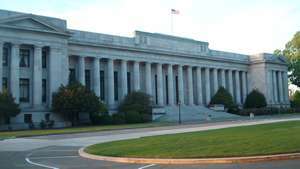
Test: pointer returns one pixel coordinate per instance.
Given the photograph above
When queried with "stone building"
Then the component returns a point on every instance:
(39, 53)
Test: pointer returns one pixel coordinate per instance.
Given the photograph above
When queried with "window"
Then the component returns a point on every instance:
(44, 90)
(72, 75)
(128, 82)
(24, 90)
(5, 56)
(176, 87)
(27, 118)
(44, 58)
(156, 97)
(116, 85)
(4, 83)
(24, 57)
(88, 79)
(102, 85)
(167, 90)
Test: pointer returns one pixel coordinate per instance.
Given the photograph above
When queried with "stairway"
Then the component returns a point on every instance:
(193, 113)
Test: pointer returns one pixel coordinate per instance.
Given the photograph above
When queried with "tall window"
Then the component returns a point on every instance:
(116, 85)
(44, 91)
(24, 57)
(88, 79)
(102, 85)
(44, 58)
(4, 83)
(167, 90)
(5, 56)
(156, 97)
(128, 82)
(24, 90)
(176, 87)
(72, 75)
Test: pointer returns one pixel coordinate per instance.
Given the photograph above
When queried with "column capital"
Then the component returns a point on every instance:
(38, 45)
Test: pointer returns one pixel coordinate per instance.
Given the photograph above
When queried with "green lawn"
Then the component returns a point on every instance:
(27, 133)
(262, 139)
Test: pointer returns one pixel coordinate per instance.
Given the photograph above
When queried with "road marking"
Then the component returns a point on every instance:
(54, 157)
(147, 166)
(41, 165)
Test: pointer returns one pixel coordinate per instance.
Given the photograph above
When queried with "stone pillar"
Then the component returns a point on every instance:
(170, 85)
(207, 85)
(215, 76)
(280, 86)
(148, 78)
(230, 83)
(136, 76)
(37, 76)
(160, 99)
(275, 88)
(285, 87)
(15, 72)
(190, 85)
(223, 78)
(180, 85)
(124, 79)
(96, 76)
(244, 87)
(237, 88)
(111, 85)
(199, 86)
(81, 70)
(1, 64)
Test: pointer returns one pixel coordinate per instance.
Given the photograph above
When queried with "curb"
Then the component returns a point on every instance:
(226, 160)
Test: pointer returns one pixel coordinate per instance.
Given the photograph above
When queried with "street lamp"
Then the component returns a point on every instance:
(179, 113)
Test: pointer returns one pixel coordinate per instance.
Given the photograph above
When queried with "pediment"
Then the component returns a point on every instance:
(32, 23)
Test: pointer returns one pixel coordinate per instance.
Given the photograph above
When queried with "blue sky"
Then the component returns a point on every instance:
(244, 26)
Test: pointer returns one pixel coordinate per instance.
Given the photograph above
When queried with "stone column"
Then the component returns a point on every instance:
(160, 99)
(170, 85)
(148, 78)
(244, 87)
(237, 87)
(190, 85)
(275, 88)
(15, 72)
(124, 79)
(81, 70)
(207, 85)
(96, 76)
(136, 76)
(110, 81)
(180, 85)
(199, 86)
(230, 83)
(215, 76)
(223, 78)
(285, 87)
(1, 64)
(280, 86)
(37, 76)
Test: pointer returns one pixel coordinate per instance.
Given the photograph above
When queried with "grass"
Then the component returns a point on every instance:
(39, 132)
(262, 139)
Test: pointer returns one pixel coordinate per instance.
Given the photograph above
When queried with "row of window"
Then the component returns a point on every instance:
(24, 57)
(25, 89)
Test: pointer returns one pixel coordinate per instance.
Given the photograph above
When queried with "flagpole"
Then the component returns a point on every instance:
(172, 31)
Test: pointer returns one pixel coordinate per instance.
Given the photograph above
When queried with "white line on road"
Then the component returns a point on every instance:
(41, 165)
(147, 166)
(54, 157)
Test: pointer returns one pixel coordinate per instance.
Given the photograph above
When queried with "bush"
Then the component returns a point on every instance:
(8, 107)
(224, 97)
(255, 99)
(73, 99)
(268, 111)
(295, 102)
(118, 118)
(136, 107)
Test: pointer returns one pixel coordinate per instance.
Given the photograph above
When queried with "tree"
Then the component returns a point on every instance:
(295, 101)
(222, 97)
(73, 99)
(255, 99)
(136, 107)
(8, 107)
(292, 53)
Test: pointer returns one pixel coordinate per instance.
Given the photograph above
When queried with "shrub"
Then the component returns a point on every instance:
(136, 104)
(224, 97)
(118, 118)
(268, 111)
(8, 107)
(73, 99)
(295, 102)
(255, 99)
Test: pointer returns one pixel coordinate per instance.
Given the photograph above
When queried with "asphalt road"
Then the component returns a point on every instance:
(61, 151)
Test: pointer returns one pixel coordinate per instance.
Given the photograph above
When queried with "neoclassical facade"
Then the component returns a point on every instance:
(38, 54)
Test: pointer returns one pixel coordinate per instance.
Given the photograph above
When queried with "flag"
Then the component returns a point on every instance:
(174, 11)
